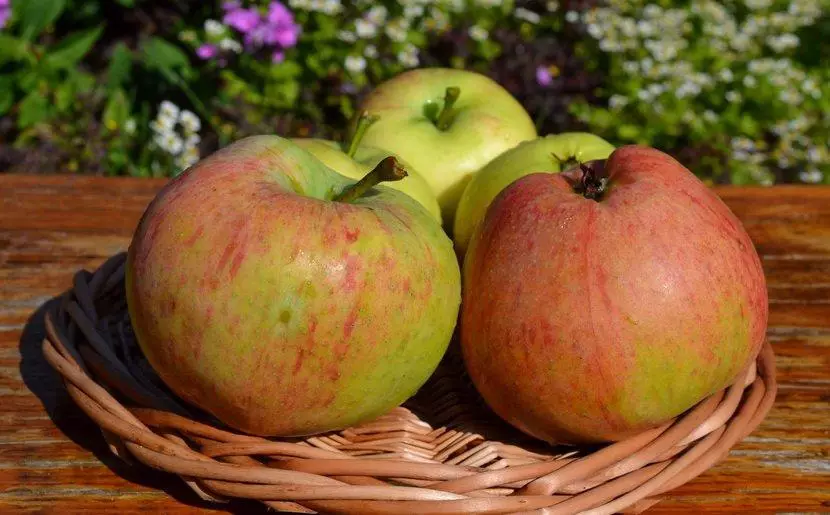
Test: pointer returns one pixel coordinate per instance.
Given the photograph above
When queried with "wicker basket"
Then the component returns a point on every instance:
(442, 452)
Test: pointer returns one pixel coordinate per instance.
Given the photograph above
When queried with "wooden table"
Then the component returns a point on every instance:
(52, 458)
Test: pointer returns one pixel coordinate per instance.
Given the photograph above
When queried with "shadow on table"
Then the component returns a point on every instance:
(45, 383)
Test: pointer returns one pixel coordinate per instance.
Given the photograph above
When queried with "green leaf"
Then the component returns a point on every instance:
(117, 110)
(35, 15)
(33, 109)
(72, 49)
(285, 70)
(120, 66)
(6, 93)
(158, 53)
(127, 3)
(64, 95)
(12, 49)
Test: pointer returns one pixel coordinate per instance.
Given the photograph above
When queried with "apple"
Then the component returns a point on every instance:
(546, 154)
(357, 161)
(446, 123)
(608, 299)
(286, 299)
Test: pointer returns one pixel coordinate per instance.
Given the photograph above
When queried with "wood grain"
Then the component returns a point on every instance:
(53, 460)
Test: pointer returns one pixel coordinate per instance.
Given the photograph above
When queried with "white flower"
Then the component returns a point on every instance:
(190, 122)
(652, 11)
(409, 56)
(527, 15)
(365, 28)
(811, 176)
(790, 96)
(370, 51)
(552, 6)
(214, 28)
(617, 101)
(437, 20)
(478, 33)
(645, 28)
(230, 45)
(396, 31)
(595, 31)
(750, 81)
(170, 142)
(331, 7)
(757, 5)
(168, 114)
(299, 4)
(726, 75)
(377, 14)
(188, 158)
(355, 63)
(782, 42)
(687, 89)
(741, 42)
(630, 67)
(348, 37)
(192, 141)
(733, 96)
(129, 126)
(488, 3)
(710, 115)
(413, 11)
(814, 155)
(571, 16)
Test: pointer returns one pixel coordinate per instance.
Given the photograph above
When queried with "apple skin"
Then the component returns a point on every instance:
(487, 121)
(278, 311)
(588, 321)
(526, 158)
(364, 160)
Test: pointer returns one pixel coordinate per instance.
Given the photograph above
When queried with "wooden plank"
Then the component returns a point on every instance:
(53, 460)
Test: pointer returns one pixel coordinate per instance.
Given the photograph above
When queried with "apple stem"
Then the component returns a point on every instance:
(363, 123)
(594, 180)
(445, 116)
(387, 170)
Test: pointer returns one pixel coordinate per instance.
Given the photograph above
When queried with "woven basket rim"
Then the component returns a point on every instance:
(396, 464)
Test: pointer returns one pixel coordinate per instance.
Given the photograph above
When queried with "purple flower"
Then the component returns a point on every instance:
(206, 51)
(5, 12)
(276, 30)
(278, 14)
(243, 20)
(543, 76)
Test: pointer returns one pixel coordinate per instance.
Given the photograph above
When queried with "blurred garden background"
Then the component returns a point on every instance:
(737, 90)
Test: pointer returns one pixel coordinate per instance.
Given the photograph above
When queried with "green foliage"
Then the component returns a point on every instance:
(736, 80)
(738, 90)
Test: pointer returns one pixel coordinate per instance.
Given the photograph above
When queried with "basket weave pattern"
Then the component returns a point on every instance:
(442, 452)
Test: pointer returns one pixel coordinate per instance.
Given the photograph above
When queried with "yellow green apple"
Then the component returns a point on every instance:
(362, 160)
(552, 154)
(447, 123)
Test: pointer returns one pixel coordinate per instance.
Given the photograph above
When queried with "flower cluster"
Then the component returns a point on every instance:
(176, 132)
(5, 12)
(272, 31)
(695, 74)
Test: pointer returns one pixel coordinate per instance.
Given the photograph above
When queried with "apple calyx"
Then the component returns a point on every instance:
(445, 116)
(594, 180)
(389, 169)
(363, 123)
